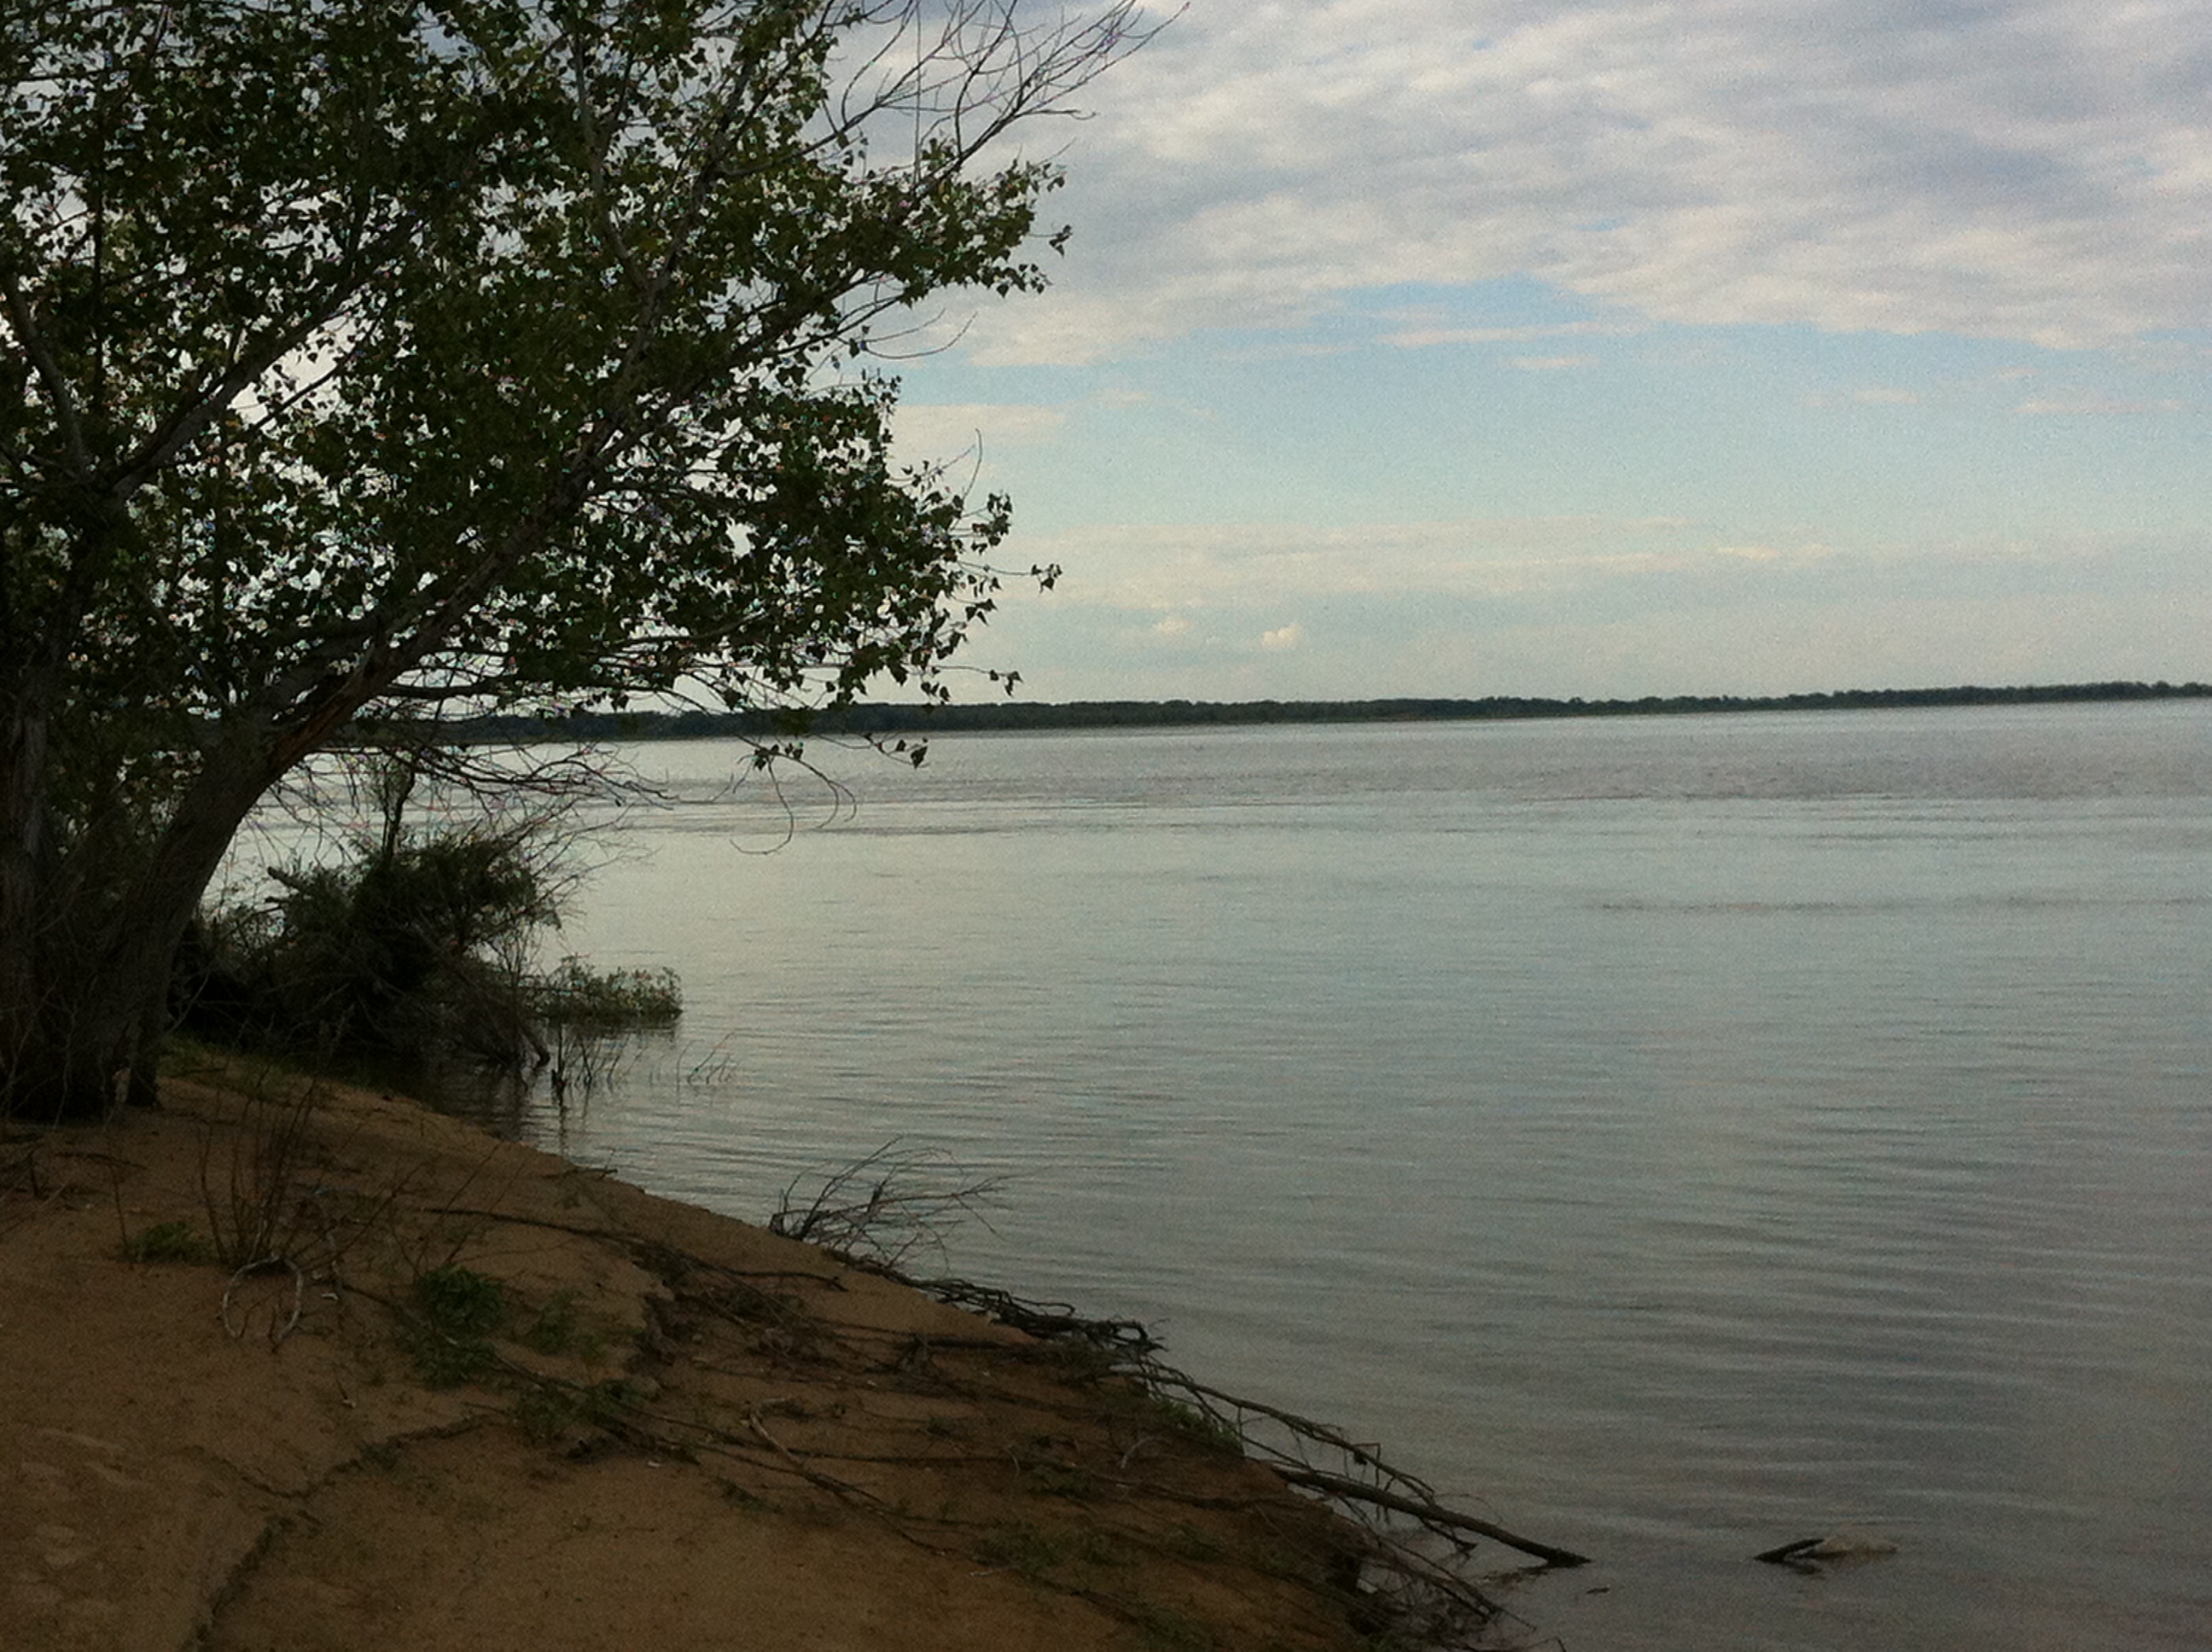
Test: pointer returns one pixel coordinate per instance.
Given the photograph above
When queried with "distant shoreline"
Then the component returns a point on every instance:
(1004, 716)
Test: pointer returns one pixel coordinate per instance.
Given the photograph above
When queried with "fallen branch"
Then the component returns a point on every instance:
(1428, 1513)
(1133, 1351)
(1045, 1320)
(1304, 1427)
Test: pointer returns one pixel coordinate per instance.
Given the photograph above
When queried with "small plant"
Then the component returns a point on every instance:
(1079, 1361)
(544, 1413)
(460, 1302)
(1097, 1549)
(1393, 1640)
(458, 1310)
(557, 1331)
(1047, 1474)
(1168, 1629)
(1188, 1542)
(167, 1241)
(1200, 1427)
(1020, 1547)
(609, 1404)
(255, 1208)
(447, 1362)
(1061, 1480)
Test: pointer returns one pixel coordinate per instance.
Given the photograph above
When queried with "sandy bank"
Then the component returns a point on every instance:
(607, 1421)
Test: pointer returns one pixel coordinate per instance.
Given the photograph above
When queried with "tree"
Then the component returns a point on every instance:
(366, 358)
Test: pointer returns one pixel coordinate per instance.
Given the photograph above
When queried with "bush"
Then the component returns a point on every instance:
(415, 941)
(459, 1301)
(458, 1310)
(592, 1000)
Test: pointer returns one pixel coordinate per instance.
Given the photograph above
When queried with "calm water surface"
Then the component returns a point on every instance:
(1675, 1136)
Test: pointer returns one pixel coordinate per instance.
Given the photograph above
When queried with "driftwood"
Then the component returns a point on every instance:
(1836, 1545)
(1351, 1490)
(1417, 1546)
(1387, 1487)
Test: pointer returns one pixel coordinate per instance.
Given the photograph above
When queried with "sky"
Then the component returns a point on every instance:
(1470, 347)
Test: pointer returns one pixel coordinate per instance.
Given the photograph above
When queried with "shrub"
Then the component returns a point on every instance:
(460, 1302)
(594, 1000)
(413, 941)
(167, 1241)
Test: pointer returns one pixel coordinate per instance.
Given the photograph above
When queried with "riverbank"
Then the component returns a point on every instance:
(485, 1399)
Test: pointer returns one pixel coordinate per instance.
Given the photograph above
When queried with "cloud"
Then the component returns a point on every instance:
(1634, 608)
(2100, 406)
(1415, 335)
(2037, 170)
(942, 430)
(1552, 363)
(1770, 553)
(1176, 568)
(1284, 636)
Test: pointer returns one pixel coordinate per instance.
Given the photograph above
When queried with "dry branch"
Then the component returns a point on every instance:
(1428, 1513)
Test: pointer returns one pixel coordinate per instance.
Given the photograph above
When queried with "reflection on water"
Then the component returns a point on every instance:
(1681, 1136)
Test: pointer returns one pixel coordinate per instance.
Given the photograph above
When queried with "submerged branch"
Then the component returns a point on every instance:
(1428, 1513)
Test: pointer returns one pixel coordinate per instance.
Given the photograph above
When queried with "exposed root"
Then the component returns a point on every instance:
(277, 1331)
(1417, 1551)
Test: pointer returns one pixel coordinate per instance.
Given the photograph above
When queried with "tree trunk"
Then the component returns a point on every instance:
(22, 774)
(85, 965)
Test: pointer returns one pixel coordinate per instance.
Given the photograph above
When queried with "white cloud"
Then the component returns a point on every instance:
(936, 431)
(1419, 334)
(1176, 569)
(1552, 363)
(2030, 169)
(2100, 406)
(1597, 606)
(1770, 553)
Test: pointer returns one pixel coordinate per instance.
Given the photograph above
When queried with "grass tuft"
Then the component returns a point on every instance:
(559, 1331)
(169, 1241)
(460, 1308)
(460, 1302)
(1021, 1547)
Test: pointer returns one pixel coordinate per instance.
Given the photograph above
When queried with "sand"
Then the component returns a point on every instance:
(608, 1420)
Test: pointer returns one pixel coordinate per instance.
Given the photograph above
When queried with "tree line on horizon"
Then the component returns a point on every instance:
(1017, 715)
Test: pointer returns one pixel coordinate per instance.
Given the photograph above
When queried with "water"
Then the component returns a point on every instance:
(1675, 1136)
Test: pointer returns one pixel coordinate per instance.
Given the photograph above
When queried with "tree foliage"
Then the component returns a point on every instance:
(371, 358)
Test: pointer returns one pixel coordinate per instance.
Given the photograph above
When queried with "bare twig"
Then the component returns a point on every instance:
(883, 1207)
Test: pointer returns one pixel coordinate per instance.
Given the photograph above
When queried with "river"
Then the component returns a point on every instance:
(1674, 1135)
